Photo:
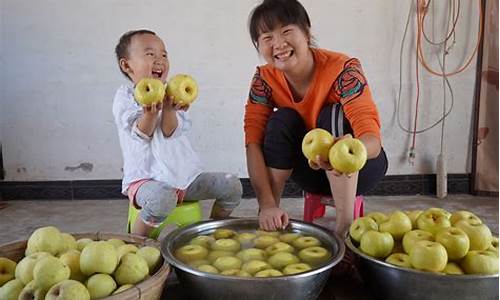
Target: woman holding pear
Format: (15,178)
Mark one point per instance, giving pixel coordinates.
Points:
(300,88)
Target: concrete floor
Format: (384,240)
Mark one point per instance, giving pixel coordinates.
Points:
(19,218)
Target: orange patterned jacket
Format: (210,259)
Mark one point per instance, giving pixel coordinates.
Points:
(337,79)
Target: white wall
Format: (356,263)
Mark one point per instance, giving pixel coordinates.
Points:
(58,77)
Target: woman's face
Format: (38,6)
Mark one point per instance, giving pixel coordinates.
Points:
(284,47)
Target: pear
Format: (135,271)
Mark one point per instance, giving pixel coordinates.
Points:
(398,224)
(7,270)
(131,270)
(24,269)
(29,292)
(72,259)
(480,262)
(100,285)
(479,234)
(152,256)
(11,289)
(116,242)
(122,288)
(49,271)
(124,249)
(68,242)
(68,290)
(399,259)
(282,259)
(81,243)
(44,239)
(98,257)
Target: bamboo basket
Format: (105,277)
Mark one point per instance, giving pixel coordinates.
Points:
(149,289)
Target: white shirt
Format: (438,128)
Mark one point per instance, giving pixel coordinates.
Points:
(167,159)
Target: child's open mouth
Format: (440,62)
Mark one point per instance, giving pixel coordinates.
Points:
(157,74)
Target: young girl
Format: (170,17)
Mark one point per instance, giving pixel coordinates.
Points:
(160,167)
(302,87)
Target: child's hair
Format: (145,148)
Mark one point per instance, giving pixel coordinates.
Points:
(121,49)
(271,13)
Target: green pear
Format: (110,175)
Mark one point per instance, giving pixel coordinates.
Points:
(226,245)
(49,271)
(397,225)
(98,257)
(279,247)
(268,273)
(81,243)
(202,240)
(453,269)
(223,233)
(282,259)
(480,262)
(411,237)
(189,253)
(183,88)
(305,242)
(255,266)
(464,215)
(413,215)
(7,270)
(246,238)
(433,220)
(68,242)
(124,249)
(376,244)
(455,241)
(152,256)
(72,259)
(227,263)
(208,269)
(213,255)
(44,239)
(100,285)
(251,254)
(289,237)
(68,290)
(479,234)
(296,268)
(314,256)
(428,256)
(29,292)
(378,217)
(11,289)
(317,141)
(264,241)
(24,269)
(230,272)
(197,263)
(360,226)
(116,242)
(131,270)
(446,213)
(399,259)
(122,288)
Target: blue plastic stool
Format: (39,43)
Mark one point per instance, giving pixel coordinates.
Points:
(184,214)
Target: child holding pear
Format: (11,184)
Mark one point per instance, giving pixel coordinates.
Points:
(160,167)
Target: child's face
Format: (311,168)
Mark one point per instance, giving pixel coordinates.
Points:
(147,57)
(284,46)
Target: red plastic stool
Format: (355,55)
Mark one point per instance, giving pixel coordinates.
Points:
(314,206)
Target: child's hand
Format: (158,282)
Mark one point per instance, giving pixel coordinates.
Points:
(153,108)
(169,104)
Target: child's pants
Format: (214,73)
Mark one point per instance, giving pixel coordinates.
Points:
(156,199)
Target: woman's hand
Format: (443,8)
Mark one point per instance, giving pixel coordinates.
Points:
(318,163)
(272,219)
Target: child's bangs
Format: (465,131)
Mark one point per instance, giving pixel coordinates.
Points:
(272,18)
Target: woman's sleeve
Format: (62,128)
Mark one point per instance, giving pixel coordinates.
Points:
(352,91)
(257,110)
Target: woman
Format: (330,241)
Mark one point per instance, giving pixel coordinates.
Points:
(302,87)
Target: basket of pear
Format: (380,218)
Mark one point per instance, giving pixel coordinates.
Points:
(426,254)
(233,259)
(56,265)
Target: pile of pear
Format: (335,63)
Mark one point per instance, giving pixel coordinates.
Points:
(254,253)
(434,240)
(57,266)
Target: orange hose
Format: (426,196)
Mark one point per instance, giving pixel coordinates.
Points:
(421,58)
